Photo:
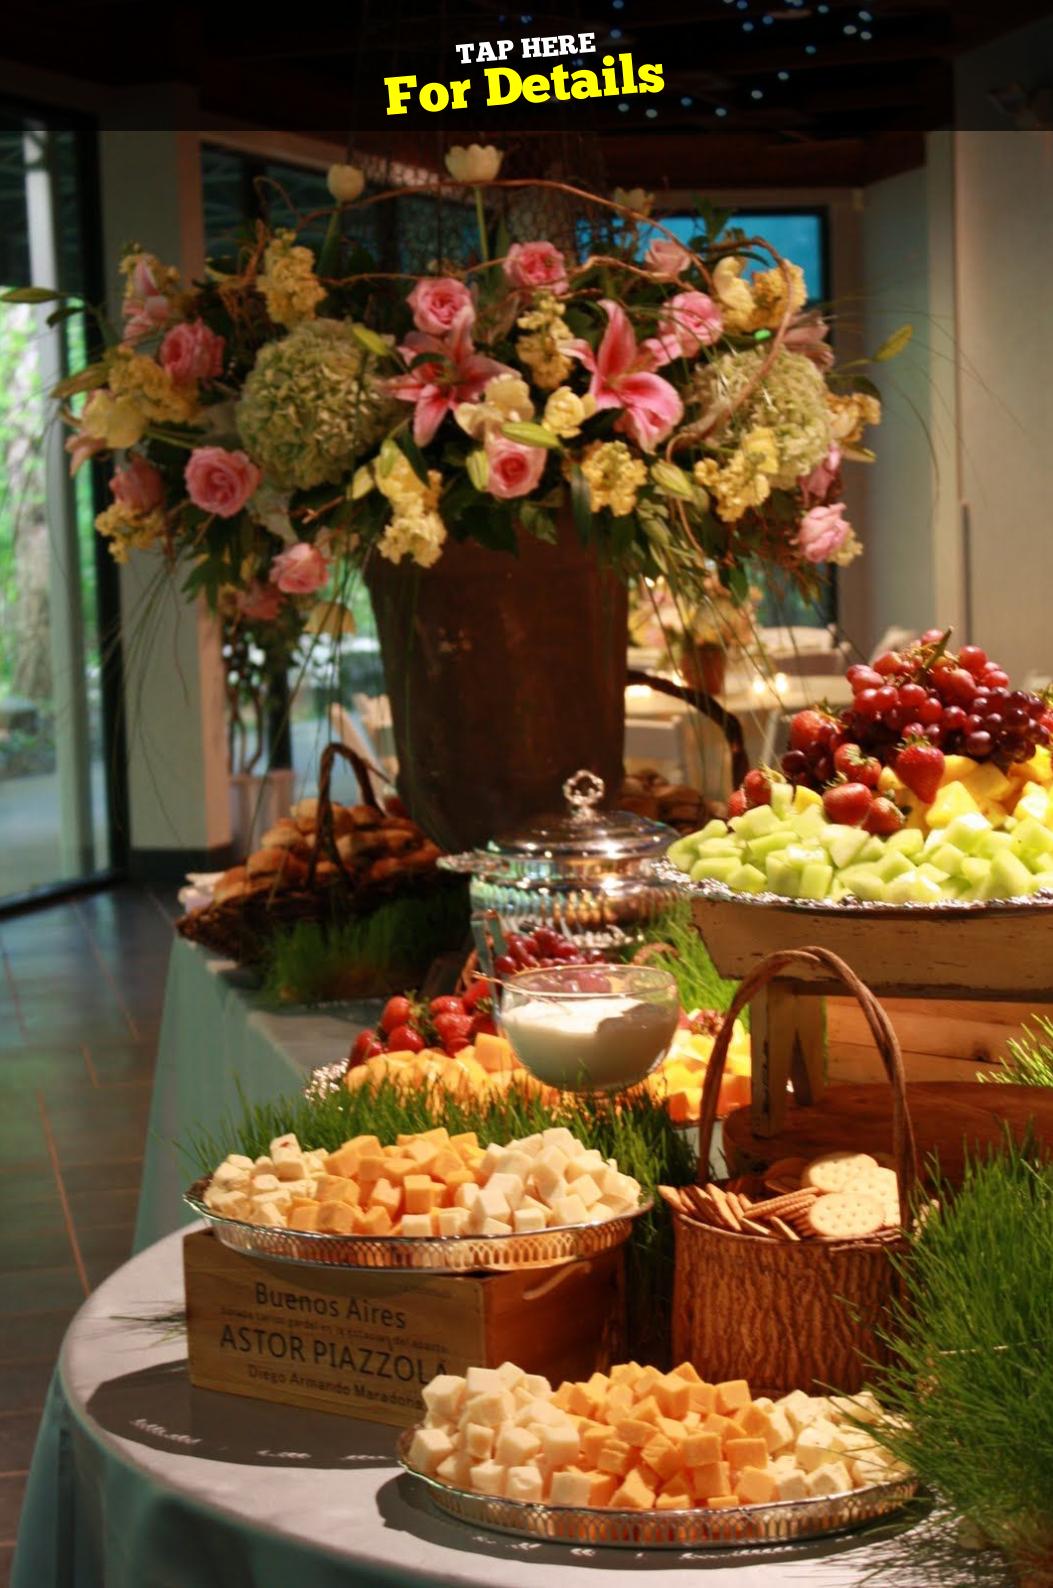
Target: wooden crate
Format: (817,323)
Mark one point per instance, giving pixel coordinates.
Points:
(364,1343)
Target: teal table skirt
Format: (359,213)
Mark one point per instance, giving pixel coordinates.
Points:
(221,1039)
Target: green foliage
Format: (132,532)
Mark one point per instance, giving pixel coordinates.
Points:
(699,982)
(631,1129)
(969,1394)
(1029,1061)
(384,952)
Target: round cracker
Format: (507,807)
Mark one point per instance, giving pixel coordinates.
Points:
(842,1215)
(835,1171)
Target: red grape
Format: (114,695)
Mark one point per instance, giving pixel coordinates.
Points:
(972,657)
(756,786)
(888,663)
(930,710)
(916,730)
(932,636)
(994,677)
(895,718)
(953,719)
(795,763)
(957,686)
(912,695)
(867,702)
(862,677)
(978,744)
(505,965)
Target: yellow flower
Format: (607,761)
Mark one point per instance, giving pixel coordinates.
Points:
(736,298)
(634,199)
(150,388)
(566,412)
(769,289)
(744,480)
(117,422)
(850,413)
(397,479)
(541,352)
(128,531)
(477,163)
(614,476)
(505,398)
(288,282)
(345,182)
(415,531)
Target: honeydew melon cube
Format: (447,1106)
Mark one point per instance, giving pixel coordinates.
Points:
(893,864)
(934,874)
(964,832)
(758,849)
(975,868)
(719,846)
(843,844)
(803,854)
(873,849)
(957,767)
(933,840)
(900,888)
(809,821)
(1010,876)
(683,852)
(862,881)
(954,799)
(947,859)
(991,843)
(756,822)
(783,875)
(917,889)
(987,782)
(715,868)
(815,880)
(1031,840)
(714,828)
(909,841)
(782,798)
(747,879)
(1033,802)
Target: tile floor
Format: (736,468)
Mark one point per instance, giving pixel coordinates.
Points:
(81,989)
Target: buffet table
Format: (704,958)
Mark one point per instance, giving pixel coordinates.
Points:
(141,1480)
(221,1038)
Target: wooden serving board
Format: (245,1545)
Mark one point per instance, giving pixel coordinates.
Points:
(942,1039)
(945,1114)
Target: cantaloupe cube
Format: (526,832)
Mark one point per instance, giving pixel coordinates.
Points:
(635,1493)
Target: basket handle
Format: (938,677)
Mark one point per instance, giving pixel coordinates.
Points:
(326,840)
(904,1150)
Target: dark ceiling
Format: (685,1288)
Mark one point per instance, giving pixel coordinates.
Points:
(757,91)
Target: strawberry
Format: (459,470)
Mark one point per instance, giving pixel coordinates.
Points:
(756,786)
(397,1011)
(848,803)
(851,762)
(451,1027)
(810,727)
(883,818)
(366,1045)
(737,804)
(403,1039)
(447,1004)
(479,992)
(919,766)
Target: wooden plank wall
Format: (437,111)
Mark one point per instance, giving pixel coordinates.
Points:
(942,1039)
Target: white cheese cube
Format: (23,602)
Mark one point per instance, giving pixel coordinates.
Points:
(510,1375)
(792,1484)
(266,1214)
(831,1478)
(781,1432)
(489,1161)
(265,1182)
(531,1145)
(238,1160)
(535,1384)
(586,1190)
(427,1448)
(559,1136)
(230,1176)
(487,1478)
(445,1394)
(816,1445)
(493,1202)
(510,1186)
(525,1221)
(483,1380)
(491,1407)
(587,1163)
(570,1488)
(800,1408)
(286,1143)
(452,1221)
(513,1161)
(478,1440)
(455,1470)
(538,1413)
(570,1210)
(560,1444)
(496,1227)
(467,1196)
(560,1189)
(515,1446)
(264,1165)
(621,1187)
(524,1483)
(549,1172)
(417,1225)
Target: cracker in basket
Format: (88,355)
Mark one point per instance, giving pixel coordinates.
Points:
(784,1231)
(725,1212)
(843,1215)
(785,1174)
(782,1207)
(838,1171)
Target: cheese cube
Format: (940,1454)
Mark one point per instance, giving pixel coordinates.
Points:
(423,1153)
(445,1394)
(452,1221)
(548,1173)
(539,1411)
(746,1452)
(483,1380)
(673,1395)
(455,1470)
(331,1188)
(621,1189)
(427,1448)
(663,1456)
(525,1483)
(593,1440)
(495,1227)
(731,1395)
(264,1165)
(710,1481)
(375,1221)
(531,1145)
(515,1162)
(634,1431)
(560,1137)
(305,1217)
(619,1402)
(570,1210)
(370,1166)
(615,1456)
(674,1496)
(336,1218)
(587,1191)
(487,1478)
(492,1407)
(791,1485)
(571,1487)
(396,1169)
(489,1161)
(815,1445)
(722,1502)
(701,1449)
(754,1486)
(527,1221)
(586,1163)
(831,1478)
(478,1440)
(635,1494)
(493,1202)
(509,1374)
(515,1446)
(265,1182)
(560,1444)
(773,1426)
(508,1185)
(382,1195)
(800,1408)
(229,1176)
(601,1488)
(467,1196)
(417,1226)
(421,1193)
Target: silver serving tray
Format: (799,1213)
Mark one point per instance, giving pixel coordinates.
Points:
(709,888)
(780,1523)
(563,1243)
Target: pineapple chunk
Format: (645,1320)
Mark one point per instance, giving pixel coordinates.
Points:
(953,799)
(957,767)
(987,782)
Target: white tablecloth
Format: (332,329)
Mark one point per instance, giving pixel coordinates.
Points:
(158,1485)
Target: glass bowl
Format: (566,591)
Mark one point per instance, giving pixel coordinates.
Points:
(590,1027)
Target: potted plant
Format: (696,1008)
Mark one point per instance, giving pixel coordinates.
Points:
(499,448)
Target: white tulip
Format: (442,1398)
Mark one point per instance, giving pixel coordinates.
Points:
(477,163)
(345,182)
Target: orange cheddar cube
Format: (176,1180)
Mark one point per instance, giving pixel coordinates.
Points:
(385,1195)
(673,1396)
(619,1401)
(746,1452)
(757,1423)
(701,1449)
(343,1162)
(423,1153)
(726,1427)
(446,1163)
(581,1402)
(375,1221)
(438,1133)
(647,1410)
(755,1487)
(646,1380)
(672,1429)
(663,1457)
(710,1480)
(689,1371)
(593,1440)
(601,1488)
(336,1218)
(420,1193)
(626,1373)
(398,1166)
(635,1494)
(561,1397)
(463,1140)
(615,1456)
(371,1166)
(305,1216)
(722,1502)
(631,1431)
(331,1188)
(676,1496)
(456,1178)
(702,1398)
(733,1394)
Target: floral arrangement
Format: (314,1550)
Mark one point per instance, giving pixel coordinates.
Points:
(305,412)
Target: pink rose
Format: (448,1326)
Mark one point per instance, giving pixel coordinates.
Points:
(139,486)
(145,306)
(260,603)
(192,352)
(514,469)
(807,334)
(220,482)
(436,302)
(666,259)
(823,532)
(816,486)
(690,320)
(301,570)
(533,265)
(81,447)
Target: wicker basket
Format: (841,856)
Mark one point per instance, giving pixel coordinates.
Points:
(788,1315)
(242,928)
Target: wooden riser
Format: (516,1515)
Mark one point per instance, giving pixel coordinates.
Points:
(942,1039)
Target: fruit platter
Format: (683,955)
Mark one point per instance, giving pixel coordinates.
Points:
(924,808)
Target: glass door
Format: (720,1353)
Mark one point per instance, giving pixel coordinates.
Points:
(54,821)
